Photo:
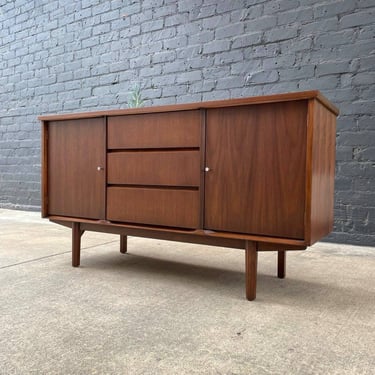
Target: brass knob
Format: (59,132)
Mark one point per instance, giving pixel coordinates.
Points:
(207,169)
(99,168)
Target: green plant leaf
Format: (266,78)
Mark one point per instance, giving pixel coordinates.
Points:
(135,98)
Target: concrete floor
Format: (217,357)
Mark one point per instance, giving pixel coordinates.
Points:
(172,308)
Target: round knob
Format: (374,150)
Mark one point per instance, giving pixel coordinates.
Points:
(207,169)
(99,168)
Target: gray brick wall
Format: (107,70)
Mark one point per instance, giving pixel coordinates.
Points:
(63,56)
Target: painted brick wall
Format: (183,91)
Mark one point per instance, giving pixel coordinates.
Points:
(64,56)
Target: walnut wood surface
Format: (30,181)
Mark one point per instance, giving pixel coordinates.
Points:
(322,140)
(251,266)
(290,96)
(172,168)
(266,243)
(76,244)
(256,183)
(166,207)
(123,244)
(157,130)
(252,173)
(76,148)
(44,172)
(281,264)
(256,190)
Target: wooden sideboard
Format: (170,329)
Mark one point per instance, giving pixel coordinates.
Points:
(252,173)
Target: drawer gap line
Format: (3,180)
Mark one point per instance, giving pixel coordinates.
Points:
(162,187)
(159,149)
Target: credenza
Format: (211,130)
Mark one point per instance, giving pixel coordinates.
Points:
(253,173)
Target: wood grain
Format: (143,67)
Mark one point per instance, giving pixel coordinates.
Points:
(157,130)
(166,207)
(171,168)
(123,244)
(75,150)
(281,264)
(44,174)
(76,244)
(251,269)
(290,96)
(322,149)
(256,182)
(250,173)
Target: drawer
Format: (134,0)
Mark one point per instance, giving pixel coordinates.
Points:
(165,207)
(172,168)
(155,130)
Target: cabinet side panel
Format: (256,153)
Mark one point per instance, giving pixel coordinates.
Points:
(76,148)
(323,171)
(44,176)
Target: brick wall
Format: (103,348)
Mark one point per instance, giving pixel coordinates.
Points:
(66,56)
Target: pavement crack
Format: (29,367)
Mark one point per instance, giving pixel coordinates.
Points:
(52,255)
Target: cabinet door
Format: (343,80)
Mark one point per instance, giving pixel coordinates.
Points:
(76,168)
(256,181)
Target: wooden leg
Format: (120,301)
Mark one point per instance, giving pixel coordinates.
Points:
(281,264)
(251,265)
(76,244)
(123,244)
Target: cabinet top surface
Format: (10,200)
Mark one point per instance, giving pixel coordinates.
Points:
(302,95)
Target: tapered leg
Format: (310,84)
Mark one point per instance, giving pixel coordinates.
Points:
(76,244)
(123,244)
(281,264)
(251,265)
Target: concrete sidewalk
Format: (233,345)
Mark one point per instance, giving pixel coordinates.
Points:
(173,308)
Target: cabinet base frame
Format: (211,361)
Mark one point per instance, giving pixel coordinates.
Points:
(251,247)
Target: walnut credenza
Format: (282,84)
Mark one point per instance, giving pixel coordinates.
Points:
(252,173)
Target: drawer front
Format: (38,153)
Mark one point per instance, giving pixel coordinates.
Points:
(172,168)
(165,207)
(155,130)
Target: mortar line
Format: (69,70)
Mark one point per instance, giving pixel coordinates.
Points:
(53,255)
